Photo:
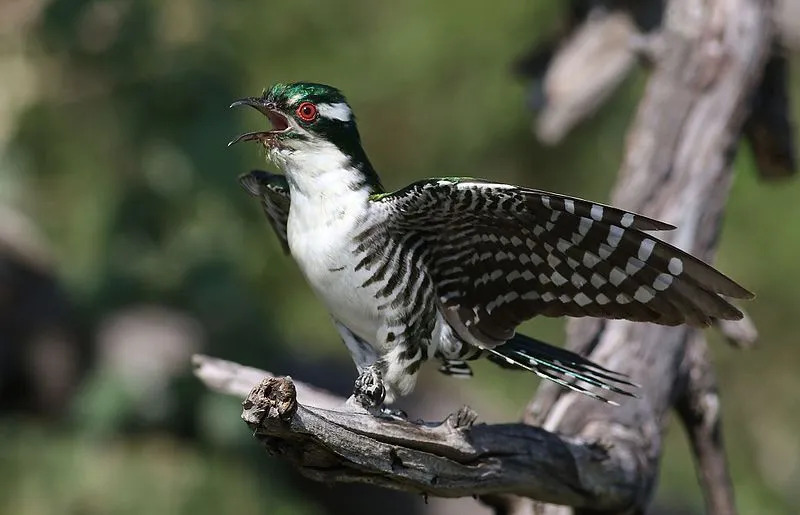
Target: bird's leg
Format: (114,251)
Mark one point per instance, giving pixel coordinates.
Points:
(368,390)
(369,394)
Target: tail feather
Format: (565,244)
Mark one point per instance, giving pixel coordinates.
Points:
(560,366)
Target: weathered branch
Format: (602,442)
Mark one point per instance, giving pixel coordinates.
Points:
(450,459)
(586,70)
(699,410)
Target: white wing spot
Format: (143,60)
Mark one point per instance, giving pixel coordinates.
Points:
(627,220)
(563,245)
(514,274)
(531,295)
(524,259)
(633,266)
(548,297)
(578,280)
(516,241)
(564,298)
(662,282)
(597,280)
(646,248)
(675,266)
(623,299)
(597,212)
(590,260)
(617,276)
(584,225)
(572,263)
(553,261)
(602,299)
(569,206)
(496,275)
(528,275)
(558,279)
(543,279)
(604,251)
(582,300)
(643,294)
(546,202)
(449,295)
(614,235)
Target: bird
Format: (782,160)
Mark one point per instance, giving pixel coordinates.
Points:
(447,268)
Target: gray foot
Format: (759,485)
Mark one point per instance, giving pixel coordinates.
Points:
(369,391)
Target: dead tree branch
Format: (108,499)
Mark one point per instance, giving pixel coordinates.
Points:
(327,442)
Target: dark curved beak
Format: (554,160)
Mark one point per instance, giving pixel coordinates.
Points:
(261,105)
(258,103)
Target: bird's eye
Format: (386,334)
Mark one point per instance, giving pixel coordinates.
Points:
(307,111)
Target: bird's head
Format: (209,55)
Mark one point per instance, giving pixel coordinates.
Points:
(304,117)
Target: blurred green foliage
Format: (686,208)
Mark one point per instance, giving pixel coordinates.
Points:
(116,149)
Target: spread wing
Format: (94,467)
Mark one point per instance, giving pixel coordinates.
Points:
(502,254)
(273,192)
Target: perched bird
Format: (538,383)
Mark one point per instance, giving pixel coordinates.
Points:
(447,268)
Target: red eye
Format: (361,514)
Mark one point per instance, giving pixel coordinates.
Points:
(307,111)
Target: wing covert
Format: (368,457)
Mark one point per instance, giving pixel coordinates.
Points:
(502,254)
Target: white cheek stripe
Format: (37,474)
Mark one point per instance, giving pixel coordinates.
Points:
(339,111)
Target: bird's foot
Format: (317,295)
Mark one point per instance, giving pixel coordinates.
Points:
(368,390)
(356,405)
(391,414)
(369,394)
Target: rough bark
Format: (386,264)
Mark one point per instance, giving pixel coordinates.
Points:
(329,442)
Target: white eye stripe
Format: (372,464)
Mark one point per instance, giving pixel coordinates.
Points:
(339,111)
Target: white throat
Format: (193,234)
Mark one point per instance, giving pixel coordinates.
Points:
(326,190)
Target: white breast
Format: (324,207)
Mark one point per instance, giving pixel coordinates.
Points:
(323,219)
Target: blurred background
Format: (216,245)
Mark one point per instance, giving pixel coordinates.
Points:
(126,243)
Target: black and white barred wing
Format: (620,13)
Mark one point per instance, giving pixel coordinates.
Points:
(273,193)
(502,254)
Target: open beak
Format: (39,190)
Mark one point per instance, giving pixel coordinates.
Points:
(278,120)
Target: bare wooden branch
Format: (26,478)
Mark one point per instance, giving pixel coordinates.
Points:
(585,71)
(233,379)
(453,458)
(699,410)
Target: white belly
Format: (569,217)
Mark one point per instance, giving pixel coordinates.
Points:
(324,252)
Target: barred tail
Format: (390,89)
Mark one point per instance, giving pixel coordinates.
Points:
(560,366)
